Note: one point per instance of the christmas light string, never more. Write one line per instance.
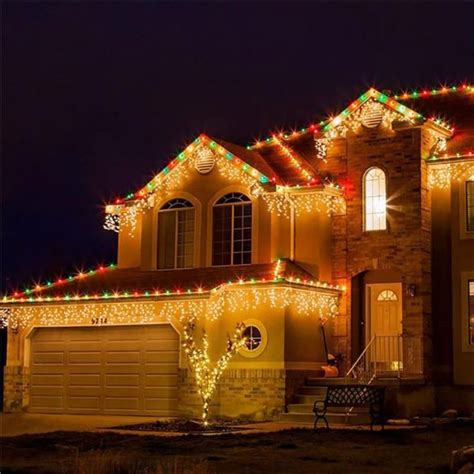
(207, 376)
(415, 94)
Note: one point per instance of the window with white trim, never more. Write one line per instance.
(176, 235)
(470, 204)
(232, 230)
(375, 200)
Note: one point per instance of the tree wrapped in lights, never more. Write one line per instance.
(207, 376)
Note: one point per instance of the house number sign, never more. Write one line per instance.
(98, 321)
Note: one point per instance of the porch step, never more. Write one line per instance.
(308, 408)
(333, 418)
(325, 381)
(312, 390)
(308, 399)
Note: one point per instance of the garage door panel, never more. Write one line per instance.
(157, 380)
(43, 379)
(47, 390)
(54, 402)
(84, 390)
(161, 392)
(121, 346)
(162, 332)
(48, 358)
(87, 335)
(47, 369)
(121, 404)
(152, 357)
(85, 357)
(124, 357)
(160, 345)
(91, 346)
(133, 369)
(115, 370)
(84, 379)
(122, 392)
(121, 380)
(49, 346)
(161, 368)
(78, 369)
(89, 403)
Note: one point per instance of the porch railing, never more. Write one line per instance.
(388, 356)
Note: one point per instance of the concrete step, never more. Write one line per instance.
(312, 390)
(309, 398)
(325, 381)
(300, 408)
(308, 408)
(337, 418)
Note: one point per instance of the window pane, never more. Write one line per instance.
(166, 239)
(221, 235)
(185, 237)
(470, 206)
(471, 312)
(375, 200)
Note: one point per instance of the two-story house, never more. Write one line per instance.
(354, 236)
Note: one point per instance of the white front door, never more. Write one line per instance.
(385, 324)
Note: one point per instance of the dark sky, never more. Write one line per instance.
(99, 96)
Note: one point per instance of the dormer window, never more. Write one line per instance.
(232, 230)
(176, 235)
(375, 200)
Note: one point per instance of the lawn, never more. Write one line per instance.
(289, 451)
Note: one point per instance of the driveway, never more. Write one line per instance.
(14, 424)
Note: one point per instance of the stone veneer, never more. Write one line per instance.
(405, 246)
(16, 388)
(254, 394)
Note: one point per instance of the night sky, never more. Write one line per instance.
(98, 97)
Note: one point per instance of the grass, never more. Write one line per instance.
(298, 451)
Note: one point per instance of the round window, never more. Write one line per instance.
(256, 338)
(253, 338)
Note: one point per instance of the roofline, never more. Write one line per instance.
(296, 283)
(203, 139)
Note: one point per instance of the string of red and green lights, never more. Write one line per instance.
(274, 277)
(323, 126)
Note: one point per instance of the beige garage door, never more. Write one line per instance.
(116, 370)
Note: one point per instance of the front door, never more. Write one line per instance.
(385, 324)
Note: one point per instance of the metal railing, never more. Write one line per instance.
(388, 356)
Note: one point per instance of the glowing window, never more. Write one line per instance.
(375, 200)
(176, 235)
(387, 295)
(471, 312)
(470, 204)
(253, 338)
(232, 230)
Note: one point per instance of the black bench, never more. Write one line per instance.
(352, 396)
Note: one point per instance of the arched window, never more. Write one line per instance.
(387, 295)
(176, 235)
(375, 200)
(232, 230)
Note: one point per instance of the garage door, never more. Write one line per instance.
(116, 370)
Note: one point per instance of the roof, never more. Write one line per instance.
(457, 108)
(135, 282)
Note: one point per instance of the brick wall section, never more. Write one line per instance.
(253, 394)
(406, 245)
(16, 388)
